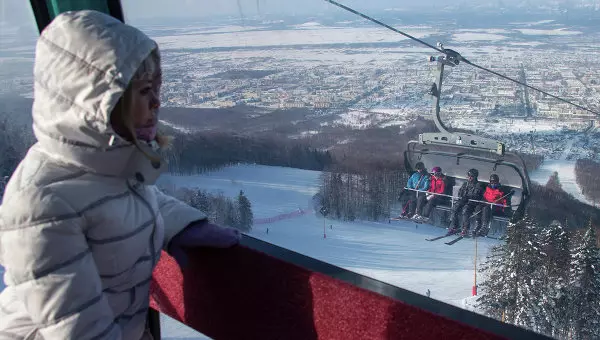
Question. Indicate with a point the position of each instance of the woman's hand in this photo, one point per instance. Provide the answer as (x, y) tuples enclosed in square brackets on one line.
[(201, 234)]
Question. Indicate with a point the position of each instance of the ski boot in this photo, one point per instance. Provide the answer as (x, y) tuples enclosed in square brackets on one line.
[(422, 218)]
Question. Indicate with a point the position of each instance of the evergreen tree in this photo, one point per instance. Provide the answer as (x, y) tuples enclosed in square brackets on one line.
[(530, 281), (200, 200), (231, 214), (554, 182), (496, 292), (219, 209), (554, 299), (246, 217), (501, 276), (585, 288), (337, 193), (513, 279)]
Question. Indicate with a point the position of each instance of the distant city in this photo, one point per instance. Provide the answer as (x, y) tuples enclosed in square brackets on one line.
[(370, 76)]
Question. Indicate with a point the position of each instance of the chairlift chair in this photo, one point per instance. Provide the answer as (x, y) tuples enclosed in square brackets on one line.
[(456, 153)]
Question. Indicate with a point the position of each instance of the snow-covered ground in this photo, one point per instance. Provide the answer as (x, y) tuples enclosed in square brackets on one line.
[(396, 253), (306, 36), (566, 175), (558, 31), (566, 172)]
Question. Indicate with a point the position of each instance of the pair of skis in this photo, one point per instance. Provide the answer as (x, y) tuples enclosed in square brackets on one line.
[(461, 236), (400, 218), (447, 235)]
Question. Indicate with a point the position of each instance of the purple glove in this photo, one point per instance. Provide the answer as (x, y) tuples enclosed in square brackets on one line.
[(201, 234)]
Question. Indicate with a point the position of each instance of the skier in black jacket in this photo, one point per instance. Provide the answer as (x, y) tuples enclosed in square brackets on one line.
[(471, 189)]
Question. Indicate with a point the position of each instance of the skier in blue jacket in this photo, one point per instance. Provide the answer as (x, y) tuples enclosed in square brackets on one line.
[(420, 180)]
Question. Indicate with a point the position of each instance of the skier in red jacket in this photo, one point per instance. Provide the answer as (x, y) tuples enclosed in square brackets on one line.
[(493, 194), (425, 203)]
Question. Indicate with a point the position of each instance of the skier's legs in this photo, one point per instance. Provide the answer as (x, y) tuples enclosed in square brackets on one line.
[(408, 205), (466, 214), (478, 216), (429, 206), (421, 201), (458, 207), (412, 203), (486, 214)]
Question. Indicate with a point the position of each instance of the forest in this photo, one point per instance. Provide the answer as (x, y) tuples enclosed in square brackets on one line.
[(205, 151), (221, 210), (586, 175), (546, 278)]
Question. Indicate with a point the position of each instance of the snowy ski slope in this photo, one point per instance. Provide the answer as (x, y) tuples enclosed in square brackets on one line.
[(395, 252)]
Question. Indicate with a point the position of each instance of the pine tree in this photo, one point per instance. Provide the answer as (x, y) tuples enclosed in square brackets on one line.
[(554, 182), (218, 211), (231, 214), (554, 300), (337, 187), (513, 280), (200, 200), (496, 293), (245, 212), (501, 272), (585, 288), (531, 281)]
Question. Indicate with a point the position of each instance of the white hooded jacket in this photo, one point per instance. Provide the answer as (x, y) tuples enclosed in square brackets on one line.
[(82, 224)]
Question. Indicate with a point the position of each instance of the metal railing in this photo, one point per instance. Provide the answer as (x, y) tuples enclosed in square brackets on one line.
[(455, 198), (288, 295)]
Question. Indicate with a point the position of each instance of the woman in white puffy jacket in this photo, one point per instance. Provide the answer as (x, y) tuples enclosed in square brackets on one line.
[(82, 224)]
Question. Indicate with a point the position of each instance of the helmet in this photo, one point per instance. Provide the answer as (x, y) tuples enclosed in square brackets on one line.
[(494, 178), (436, 169), (419, 166), (473, 173)]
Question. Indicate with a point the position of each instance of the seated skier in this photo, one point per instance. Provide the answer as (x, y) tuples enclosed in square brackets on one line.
[(425, 203), (493, 194), (418, 181), (471, 189)]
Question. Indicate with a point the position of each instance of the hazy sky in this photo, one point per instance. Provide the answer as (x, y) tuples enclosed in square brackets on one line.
[(20, 11)]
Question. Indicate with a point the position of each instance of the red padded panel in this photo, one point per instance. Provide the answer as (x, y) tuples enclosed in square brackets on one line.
[(241, 293)]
